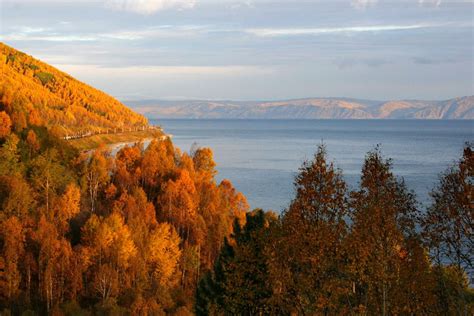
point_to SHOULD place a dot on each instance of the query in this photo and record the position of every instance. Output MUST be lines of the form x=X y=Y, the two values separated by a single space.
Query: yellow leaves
x=122 y=244
x=178 y=200
x=204 y=162
x=96 y=174
x=61 y=100
x=99 y=165
x=111 y=238
x=69 y=205
x=156 y=162
x=163 y=252
x=149 y=306
x=96 y=235
x=18 y=197
x=127 y=166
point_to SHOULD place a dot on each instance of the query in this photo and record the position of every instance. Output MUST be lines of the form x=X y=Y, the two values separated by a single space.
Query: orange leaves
x=5 y=124
x=54 y=258
x=157 y=161
x=60 y=99
x=233 y=201
x=96 y=235
x=204 y=163
x=127 y=166
x=96 y=175
x=32 y=142
x=13 y=237
x=136 y=209
x=129 y=156
x=178 y=199
x=68 y=205
x=125 y=251
x=34 y=118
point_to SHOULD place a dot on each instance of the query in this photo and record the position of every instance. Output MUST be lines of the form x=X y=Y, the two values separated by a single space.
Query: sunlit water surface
x=261 y=157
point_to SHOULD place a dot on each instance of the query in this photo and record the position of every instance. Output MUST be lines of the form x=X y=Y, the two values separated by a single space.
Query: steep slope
x=399 y=109
x=313 y=108
x=458 y=108
x=36 y=93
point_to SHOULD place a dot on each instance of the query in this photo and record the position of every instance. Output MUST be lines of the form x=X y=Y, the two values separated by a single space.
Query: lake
x=261 y=157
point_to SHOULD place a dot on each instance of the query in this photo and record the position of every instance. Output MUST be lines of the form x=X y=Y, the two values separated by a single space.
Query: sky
x=252 y=49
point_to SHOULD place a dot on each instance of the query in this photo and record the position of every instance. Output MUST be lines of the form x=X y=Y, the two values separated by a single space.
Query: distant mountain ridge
x=310 y=108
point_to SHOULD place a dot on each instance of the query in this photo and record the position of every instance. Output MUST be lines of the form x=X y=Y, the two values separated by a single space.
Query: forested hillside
x=88 y=232
x=34 y=93
x=92 y=233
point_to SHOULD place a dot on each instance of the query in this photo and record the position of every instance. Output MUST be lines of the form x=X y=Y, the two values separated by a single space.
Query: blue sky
x=252 y=49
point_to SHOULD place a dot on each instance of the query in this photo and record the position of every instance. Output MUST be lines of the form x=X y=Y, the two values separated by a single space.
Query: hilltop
x=35 y=93
x=310 y=108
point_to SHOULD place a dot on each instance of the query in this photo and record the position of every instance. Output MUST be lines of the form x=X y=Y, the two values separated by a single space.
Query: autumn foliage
x=38 y=94
x=336 y=251
x=93 y=231
x=149 y=231
x=5 y=124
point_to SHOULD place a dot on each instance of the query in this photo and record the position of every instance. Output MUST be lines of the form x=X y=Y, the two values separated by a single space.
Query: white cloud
x=270 y=32
x=162 y=71
x=362 y=4
x=49 y=38
x=32 y=30
x=160 y=31
x=165 y=31
x=149 y=6
x=243 y=4
x=431 y=3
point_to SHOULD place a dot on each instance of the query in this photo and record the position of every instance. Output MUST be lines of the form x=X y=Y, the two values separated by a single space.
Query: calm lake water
x=261 y=157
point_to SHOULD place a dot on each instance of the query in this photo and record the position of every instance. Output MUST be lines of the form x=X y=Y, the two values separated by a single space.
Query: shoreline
x=92 y=142
x=115 y=147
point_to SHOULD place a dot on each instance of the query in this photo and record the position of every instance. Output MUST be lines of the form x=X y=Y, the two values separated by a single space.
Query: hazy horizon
x=124 y=100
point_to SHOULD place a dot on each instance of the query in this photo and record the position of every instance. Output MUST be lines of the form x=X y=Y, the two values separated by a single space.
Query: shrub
x=44 y=77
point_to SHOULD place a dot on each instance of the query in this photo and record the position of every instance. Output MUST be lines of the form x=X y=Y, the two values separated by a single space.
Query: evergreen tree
x=239 y=282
